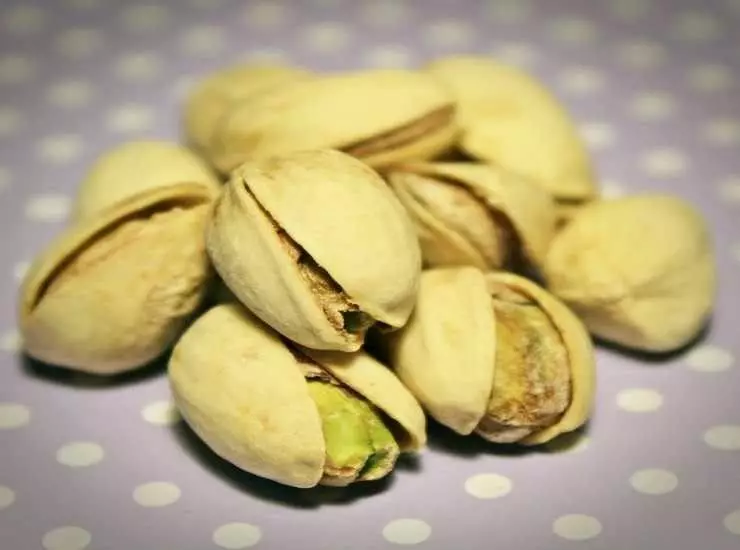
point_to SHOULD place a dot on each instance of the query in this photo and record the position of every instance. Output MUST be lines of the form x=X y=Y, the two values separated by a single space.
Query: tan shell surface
x=240 y=389
x=510 y=119
x=640 y=270
x=112 y=293
x=135 y=167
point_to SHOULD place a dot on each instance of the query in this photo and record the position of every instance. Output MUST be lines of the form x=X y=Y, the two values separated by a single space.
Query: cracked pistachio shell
x=214 y=96
x=510 y=119
x=639 y=271
x=313 y=243
x=380 y=116
x=113 y=293
x=135 y=167
x=243 y=392
x=475 y=214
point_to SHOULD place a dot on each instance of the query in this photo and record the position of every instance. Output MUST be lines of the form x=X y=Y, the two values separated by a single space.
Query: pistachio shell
x=135 y=167
x=509 y=119
x=305 y=239
x=639 y=271
x=380 y=116
x=113 y=292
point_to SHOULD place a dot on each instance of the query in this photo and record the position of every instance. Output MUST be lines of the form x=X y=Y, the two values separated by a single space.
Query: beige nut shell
x=125 y=306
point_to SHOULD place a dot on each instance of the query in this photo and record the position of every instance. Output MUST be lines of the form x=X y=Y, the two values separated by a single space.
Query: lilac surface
x=546 y=485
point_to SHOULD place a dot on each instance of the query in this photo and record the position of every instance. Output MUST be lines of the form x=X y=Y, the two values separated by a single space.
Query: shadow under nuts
x=293 y=415
x=114 y=292
x=497 y=355
x=317 y=246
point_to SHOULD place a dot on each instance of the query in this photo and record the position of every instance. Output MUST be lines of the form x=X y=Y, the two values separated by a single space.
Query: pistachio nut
x=380 y=116
x=639 y=271
x=287 y=413
x=211 y=100
x=138 y=166
x=113 y=292
x=317 y=246
x=510 y=119
x=475 y=214
x=495 y=354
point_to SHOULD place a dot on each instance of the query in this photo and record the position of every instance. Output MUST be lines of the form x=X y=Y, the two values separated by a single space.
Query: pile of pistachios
x=330 y=257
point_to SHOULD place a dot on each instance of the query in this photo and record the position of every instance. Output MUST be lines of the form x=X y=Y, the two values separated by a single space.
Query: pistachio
x=509 y=119
x=495 y=354
x=475 y=214
x=287 y=413
x=640 y=271
x=135 y=167
x=317 y=246
x=113 y=292
x=380 y=116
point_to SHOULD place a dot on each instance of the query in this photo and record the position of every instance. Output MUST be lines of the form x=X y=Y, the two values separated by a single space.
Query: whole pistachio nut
x=510 y=119
x=317 y=246
x=475 y=214
x=287 y=413
x=113 y=292
x=216 y=95
x=639 y=271
x=135 y=167
x=380 y=116
x=497 y=355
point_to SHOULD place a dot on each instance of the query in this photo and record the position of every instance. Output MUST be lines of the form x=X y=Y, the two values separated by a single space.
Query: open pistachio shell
x=380 y=116
x=317 y=246
x=114 y=292
x=475 y=214
x=639 y=271
x=509 y=119
x=135 y=167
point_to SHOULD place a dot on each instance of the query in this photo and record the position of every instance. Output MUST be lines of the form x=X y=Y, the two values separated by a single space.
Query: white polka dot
x=599 y=135
x=235 y=536
x=48 y=207
x=69 y=93
x=15 y=69
x=10 y=341
x=328 y=37
x=711 y=78
x=130 y=118
x=664 y=163
x=708 y=358
x=654 y=481
x=641 y=54
x=67 y=538
x=732 y=522
x=13 y=415
x=582 y=80
x=10 y=120
x=630 y=10
x=723 y=438
x=653 y=105
x=80 y=454
x=573 y=30
x=729 y=190
x=509 y=11
x=577 y=527
x=516 y=53
x=389 y=55
x=448 y=33
x=79 y=42
x=265 y=14
x=138 y=66
x=385 y=13
x=639 y=400
x=60 y=148
x=156 y=494
x=488 y=486
x=570 y=443
x=723 y=132
x=612 y=190
x=20 y=269
x=407 y=531
x=7 y=496
x=161 y=413
x=24 y=20
x=206 y=40
x=695 y=26
x=147 y=17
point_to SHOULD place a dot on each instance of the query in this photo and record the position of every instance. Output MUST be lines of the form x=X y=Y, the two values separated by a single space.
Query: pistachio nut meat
x=287 y=413
x=381 y=116
x=640 y=271
x=113 y=292
x=317 y=246
x=509 y=119
x=475 y=214
x=135 y=167
x=496 y=355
